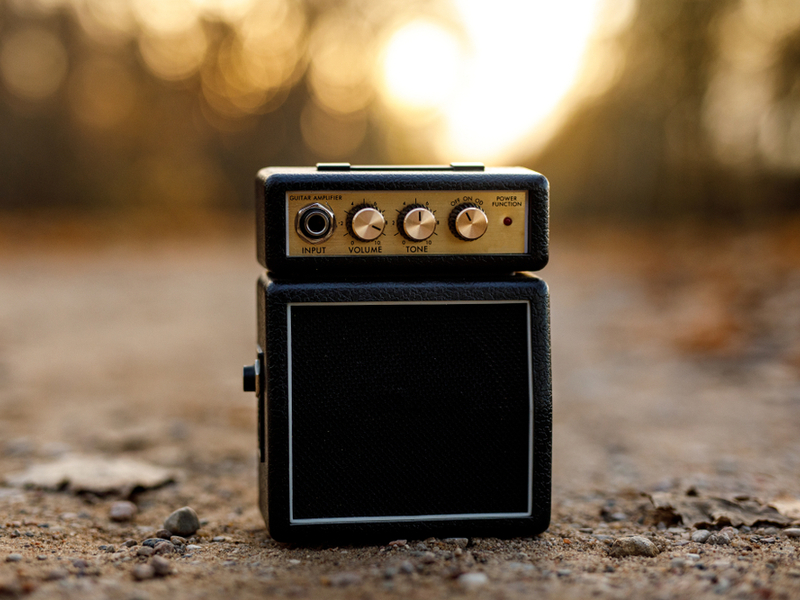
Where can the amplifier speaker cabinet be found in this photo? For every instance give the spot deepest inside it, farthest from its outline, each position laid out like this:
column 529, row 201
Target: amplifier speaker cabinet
column 399, row 406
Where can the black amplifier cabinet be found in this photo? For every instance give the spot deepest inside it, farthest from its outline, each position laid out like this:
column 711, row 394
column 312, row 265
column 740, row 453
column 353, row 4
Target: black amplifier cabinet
column 339, row 220
column 402, row 393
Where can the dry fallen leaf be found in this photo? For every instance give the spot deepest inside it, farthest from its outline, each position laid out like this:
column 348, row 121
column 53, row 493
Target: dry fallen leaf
column 93, row 474
column 700, row 511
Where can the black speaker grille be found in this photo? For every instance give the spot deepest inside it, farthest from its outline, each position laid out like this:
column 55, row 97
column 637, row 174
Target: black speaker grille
column 406, row 409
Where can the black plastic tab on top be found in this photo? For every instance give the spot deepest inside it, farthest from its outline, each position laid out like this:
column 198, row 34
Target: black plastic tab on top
column 461, row 166
column 333, row 166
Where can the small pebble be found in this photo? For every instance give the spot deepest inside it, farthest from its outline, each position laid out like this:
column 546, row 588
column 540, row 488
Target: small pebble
column 604, row 538
column 719, row 538
column 10, row 588
column 41, row 557
column 792, row 532
column 633, row 546
column 193, row 547
column 219, row 538
column 344, row 579
column 677, row 562
column 79, row 563
column 145, row 551
column 14, row 558
column 129, row 543
column 109, row 548
column 164, row 548
column 143, row 571
column 56, row 575
column 428, row 558
column 151, row 542
column 406, row 567
column 390, row 572
column 122, row 511
column 177, row 540
column 183, row 522
column 398, row 543
column 164, row 534
column 460, row 542
column 618, row 516
column 692, row 556
column 161, row 566
column 471, row 581
column 700, row 536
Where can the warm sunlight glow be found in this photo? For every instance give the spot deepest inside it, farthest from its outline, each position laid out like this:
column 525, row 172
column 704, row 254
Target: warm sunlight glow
column 33, row 63
column 518, row 62
column 421, row 64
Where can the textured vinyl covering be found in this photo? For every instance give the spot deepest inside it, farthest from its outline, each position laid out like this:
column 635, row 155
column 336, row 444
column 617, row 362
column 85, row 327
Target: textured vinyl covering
column 447, row 441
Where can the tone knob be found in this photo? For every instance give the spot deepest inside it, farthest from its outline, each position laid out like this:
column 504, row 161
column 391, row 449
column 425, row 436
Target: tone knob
column 416, row 222
column 365, row 223
column 468, row 222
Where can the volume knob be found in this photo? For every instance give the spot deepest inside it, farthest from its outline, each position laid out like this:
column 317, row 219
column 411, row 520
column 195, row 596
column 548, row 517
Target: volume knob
column 416, row 223
column 468, row 222
column 365, row 223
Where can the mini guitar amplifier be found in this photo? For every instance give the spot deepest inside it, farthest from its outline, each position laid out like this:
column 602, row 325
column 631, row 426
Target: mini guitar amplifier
column 399, row 405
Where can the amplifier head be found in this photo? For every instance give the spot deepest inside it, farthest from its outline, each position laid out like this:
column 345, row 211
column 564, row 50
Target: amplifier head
column 403, row 409
column 337, row 220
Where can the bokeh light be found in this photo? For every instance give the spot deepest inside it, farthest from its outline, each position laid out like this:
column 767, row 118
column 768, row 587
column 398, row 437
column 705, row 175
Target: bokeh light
column 332, row 136
column 107, row 22
column 176, row 55
column 102, row 92
column 341, row 59
column 750, row 120
column 166, row 18
column 422, row 63
column 33, row 63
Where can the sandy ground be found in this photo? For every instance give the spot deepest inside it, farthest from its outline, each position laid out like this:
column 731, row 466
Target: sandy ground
column 676, row 360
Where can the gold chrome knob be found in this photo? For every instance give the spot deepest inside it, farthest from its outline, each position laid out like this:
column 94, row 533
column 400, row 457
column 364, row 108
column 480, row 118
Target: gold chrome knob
column 366, row 223
column 468, row 222
column 417, row 223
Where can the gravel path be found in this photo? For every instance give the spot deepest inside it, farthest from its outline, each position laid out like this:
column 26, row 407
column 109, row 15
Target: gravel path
column 676, row 368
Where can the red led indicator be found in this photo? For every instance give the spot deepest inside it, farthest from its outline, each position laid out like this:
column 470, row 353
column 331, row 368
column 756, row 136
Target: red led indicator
column 507, row 221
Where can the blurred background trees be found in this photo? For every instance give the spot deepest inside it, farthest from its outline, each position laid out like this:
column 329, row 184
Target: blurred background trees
column 645, row 108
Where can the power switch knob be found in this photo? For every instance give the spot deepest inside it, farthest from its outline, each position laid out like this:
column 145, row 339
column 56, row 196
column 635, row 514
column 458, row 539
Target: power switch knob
column 416, row 223
column 468, row 222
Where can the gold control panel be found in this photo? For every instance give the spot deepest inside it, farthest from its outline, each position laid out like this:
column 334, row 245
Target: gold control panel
column 344, row 223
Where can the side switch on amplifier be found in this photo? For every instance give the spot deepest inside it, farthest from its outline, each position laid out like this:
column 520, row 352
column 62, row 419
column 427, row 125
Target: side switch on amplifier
column 365, row 223
column 416, row 222
column 468, row 222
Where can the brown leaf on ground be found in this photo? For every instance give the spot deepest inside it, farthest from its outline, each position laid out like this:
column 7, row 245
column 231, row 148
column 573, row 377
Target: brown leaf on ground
column 93, row 474
column 698, row 511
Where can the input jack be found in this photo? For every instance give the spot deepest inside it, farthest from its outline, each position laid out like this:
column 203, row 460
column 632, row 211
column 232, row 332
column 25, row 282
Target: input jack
column 315, row 223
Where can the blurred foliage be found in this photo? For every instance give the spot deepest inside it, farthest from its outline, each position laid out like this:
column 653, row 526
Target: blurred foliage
column 703, row 119
column 173, row 105
column 690, row 106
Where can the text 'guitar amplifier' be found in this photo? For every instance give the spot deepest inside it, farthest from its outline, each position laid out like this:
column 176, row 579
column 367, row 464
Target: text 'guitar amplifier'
column 403, row 367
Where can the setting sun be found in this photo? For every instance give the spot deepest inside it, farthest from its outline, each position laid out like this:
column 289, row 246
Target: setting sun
column 499, row 85
column 421, row 64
